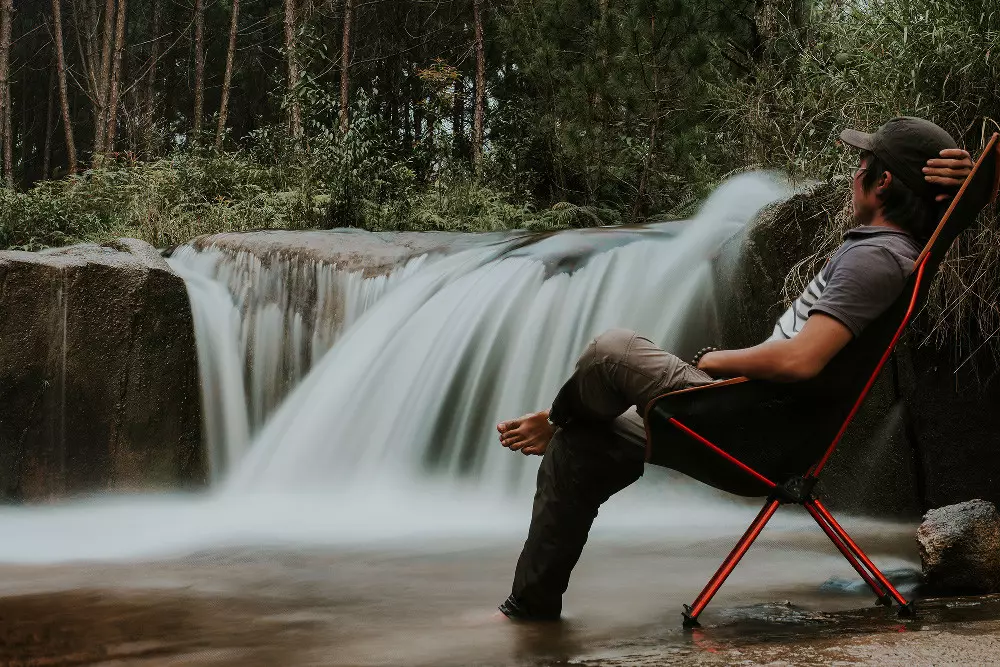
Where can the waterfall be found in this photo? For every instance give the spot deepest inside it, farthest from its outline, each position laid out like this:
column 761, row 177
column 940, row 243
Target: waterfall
column 259, row 324
column 410, row 385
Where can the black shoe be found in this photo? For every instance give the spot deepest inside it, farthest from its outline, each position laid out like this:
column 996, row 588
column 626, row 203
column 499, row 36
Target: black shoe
column 520, row 612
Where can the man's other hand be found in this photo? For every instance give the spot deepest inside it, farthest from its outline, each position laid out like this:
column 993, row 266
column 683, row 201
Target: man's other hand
column 950, row 170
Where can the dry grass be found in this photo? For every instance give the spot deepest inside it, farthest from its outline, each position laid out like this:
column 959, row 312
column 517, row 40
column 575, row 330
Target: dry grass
column 858, row 63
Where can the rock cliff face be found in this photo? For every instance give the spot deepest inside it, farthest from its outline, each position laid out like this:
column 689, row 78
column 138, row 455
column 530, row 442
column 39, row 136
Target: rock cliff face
column 99, row 378
column 925, row 437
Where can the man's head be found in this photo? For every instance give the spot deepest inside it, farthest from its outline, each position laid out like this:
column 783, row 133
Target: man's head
column 891, row 177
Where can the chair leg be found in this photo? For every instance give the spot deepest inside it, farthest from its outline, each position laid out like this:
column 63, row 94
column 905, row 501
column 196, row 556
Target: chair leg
column 691, row 613
column 906, row 608
column 880, row 593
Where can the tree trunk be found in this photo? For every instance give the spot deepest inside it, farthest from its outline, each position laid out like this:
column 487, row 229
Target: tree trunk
column 458, row 113
column 154, row 57
column 50, row 126
column 116, row 74
column 6, row 125
column 220, row 131
column 295, row 109
column 477, row 126
column 416, row 91
column 407, row 111
column 63, row 90
column 345, row 66
column 640, row 196
column 199, row 67
column 103, row 83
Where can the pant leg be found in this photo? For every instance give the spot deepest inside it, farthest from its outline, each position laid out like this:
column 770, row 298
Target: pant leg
column 583, row 466
column 620, row 369
column 597, row 452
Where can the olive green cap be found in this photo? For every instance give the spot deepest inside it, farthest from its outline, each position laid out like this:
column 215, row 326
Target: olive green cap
column 905, row 144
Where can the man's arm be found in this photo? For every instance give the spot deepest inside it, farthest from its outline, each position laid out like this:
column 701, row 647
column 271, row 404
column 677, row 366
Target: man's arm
column 794, row 360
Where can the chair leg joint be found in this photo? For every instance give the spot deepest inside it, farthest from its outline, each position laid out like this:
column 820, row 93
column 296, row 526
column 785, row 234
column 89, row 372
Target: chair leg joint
column 689, row 620
column 795, row 491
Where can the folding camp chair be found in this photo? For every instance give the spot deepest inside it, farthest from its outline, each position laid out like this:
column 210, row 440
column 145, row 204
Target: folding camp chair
column 766, row 439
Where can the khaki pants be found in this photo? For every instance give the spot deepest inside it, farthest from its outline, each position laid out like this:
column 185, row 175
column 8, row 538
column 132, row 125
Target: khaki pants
column 597, row 451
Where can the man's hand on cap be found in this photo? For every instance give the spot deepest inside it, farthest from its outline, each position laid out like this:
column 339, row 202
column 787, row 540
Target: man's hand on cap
column 950, row 170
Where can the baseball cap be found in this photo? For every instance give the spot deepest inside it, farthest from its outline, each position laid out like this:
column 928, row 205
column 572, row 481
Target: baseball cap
column 905, row 144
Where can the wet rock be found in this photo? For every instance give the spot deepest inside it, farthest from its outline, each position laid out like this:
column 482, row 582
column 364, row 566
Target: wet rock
column 760, row 271
column 99, row 380
column 899, row 457
column 960, row 548
column 372, row 253
column 776, row 613
column 905, row 579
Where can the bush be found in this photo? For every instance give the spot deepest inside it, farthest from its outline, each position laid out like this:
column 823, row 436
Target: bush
column 856, row 64
column 333, row 183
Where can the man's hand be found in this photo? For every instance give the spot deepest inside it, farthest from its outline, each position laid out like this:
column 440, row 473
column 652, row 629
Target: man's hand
column 949, row 170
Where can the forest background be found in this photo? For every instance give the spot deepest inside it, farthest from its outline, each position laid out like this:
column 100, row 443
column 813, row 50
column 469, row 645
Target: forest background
column 165, row 119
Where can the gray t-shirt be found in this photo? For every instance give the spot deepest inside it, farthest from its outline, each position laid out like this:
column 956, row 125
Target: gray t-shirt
column 862, row 279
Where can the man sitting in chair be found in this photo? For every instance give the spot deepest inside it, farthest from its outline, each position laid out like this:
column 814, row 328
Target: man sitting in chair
column 593, row 438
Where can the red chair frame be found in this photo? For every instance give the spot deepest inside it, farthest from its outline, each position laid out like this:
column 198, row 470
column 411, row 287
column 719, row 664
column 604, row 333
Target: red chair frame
column 798, row 489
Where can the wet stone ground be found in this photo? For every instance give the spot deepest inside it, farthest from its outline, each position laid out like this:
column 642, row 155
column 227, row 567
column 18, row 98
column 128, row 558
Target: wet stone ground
column 433, row 605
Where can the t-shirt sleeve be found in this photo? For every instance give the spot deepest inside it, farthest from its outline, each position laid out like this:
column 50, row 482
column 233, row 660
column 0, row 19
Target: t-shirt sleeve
column 861, row 284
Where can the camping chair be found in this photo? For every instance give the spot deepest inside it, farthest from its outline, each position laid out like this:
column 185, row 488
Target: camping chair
column 766, row 439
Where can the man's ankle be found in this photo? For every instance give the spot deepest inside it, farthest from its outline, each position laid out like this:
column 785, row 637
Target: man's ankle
column 517, row 610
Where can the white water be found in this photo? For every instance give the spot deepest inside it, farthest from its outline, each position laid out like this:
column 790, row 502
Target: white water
column 416, row 385
column 390, row 436
column 259, row 326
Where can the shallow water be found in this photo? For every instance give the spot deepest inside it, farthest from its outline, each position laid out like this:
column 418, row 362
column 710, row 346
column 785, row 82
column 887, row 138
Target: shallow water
column 422, row 596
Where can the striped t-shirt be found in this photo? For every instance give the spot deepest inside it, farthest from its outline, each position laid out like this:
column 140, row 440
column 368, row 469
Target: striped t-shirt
column 862, row 279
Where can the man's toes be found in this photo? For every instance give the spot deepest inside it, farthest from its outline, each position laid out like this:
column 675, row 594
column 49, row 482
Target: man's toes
column 503, row 427
column 508, row 439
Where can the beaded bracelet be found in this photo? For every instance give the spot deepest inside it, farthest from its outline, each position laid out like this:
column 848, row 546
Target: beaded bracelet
column 701, row 353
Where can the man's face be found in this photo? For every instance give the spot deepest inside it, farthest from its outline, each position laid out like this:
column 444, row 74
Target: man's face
column 866, row 204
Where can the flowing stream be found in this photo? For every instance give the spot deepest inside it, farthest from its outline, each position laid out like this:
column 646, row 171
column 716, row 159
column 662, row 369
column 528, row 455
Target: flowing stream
column 385, row 381
column 347, row 409
column 361, row 510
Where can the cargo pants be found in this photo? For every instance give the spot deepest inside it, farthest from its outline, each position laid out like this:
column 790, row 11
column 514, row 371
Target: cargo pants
column 597, row 450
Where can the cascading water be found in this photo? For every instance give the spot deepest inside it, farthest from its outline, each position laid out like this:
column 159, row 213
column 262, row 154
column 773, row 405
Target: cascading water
column 412, row 389
column 259, row 324
column 388, row 439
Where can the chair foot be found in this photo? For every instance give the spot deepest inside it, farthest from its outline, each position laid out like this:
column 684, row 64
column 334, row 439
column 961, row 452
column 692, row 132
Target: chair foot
column 884, row 601
column 689, row 620
column 907, row 610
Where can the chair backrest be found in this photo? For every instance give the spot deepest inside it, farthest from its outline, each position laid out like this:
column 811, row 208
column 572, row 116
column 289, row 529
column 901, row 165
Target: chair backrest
column 784, row 430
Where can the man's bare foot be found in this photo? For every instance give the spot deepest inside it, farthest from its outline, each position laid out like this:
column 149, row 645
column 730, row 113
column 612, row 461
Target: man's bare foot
column 529, row 434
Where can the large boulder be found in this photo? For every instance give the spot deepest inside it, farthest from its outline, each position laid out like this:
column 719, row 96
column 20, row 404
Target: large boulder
column 761, row 270
column 960, row 548
column 927, row 435
column 99, row 378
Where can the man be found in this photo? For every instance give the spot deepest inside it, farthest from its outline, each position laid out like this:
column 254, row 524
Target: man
column 593, row 438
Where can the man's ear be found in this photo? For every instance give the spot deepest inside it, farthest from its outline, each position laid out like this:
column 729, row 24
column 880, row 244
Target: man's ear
column 884, row 181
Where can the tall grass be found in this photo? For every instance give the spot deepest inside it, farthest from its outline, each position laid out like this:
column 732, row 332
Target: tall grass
column 173, row 200
column 858, row 63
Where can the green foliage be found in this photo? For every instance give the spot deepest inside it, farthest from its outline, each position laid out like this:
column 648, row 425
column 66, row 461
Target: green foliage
column 609, row 96
column 857, row 64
